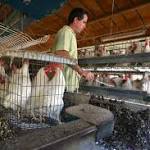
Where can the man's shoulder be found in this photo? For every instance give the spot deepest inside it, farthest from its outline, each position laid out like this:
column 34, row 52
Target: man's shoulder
column 66, row 28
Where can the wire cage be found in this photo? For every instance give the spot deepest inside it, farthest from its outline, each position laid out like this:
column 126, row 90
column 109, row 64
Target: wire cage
column 32, row 88
column 121, row 68
column 113, row 48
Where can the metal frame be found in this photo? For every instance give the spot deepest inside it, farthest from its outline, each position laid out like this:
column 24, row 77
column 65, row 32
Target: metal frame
column 39, row 56
column 131, row 58
column 117, row 70
column 115, row 92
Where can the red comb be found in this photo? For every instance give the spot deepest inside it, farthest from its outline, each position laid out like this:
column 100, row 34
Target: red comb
column 51, row 68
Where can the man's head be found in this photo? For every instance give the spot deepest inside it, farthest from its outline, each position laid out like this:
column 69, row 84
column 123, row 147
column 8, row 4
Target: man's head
column 77, row 19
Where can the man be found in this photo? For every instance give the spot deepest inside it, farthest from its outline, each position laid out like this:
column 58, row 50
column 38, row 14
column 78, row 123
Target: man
column 66, row 45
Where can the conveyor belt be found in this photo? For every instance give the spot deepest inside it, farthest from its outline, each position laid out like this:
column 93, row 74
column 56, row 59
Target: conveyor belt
column 117, row 93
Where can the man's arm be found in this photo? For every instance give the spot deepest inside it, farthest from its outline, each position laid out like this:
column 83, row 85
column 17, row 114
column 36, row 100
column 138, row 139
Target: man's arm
column 86, row 74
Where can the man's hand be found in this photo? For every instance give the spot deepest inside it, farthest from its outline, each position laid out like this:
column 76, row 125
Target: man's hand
column 88, row 75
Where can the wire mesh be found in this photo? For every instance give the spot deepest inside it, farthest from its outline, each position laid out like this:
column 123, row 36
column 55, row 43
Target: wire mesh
column 123, row 65
column 132, row 46
column 32, row 88
column 16, row 40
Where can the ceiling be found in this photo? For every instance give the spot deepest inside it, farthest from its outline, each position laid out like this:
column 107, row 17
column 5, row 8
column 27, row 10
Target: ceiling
column 106, row 17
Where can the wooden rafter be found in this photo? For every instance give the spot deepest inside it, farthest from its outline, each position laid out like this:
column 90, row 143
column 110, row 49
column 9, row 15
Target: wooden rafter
column 120, row 13
column 139, row 15
column 124, row 17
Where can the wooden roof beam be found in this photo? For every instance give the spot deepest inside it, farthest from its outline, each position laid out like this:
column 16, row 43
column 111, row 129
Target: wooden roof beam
column 124, row 17
column 133, row 29
column 87, row 9
column 139, row 15
column 112, row 21
column 119, row 13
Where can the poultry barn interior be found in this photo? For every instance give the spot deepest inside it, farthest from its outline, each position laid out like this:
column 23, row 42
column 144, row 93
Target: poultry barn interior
column 40, row 110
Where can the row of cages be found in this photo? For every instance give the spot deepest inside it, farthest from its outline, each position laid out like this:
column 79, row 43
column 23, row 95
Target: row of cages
column 133, row 46
column 32, row 93
column 35, row 94
column 129, row 81
column 32, row 90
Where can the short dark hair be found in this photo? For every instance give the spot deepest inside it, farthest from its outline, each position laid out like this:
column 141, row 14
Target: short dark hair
column 76, row 12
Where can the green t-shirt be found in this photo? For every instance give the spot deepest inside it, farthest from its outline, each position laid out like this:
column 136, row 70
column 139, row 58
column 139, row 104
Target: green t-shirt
column 66, row 40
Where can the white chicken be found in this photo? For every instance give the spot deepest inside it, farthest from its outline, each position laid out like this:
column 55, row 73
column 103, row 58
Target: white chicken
column 137, row 85
column 134, row 48
column 127, row 83
column 19, row 88
column 146, row 83
column 147, row 46
column 47, row 93
column 3, row 81
column 101, row 51
column 117, row 81
column 87, row 53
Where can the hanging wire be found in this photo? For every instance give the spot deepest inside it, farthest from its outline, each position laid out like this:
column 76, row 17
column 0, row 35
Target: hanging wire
column 22, row 22
column 111, row 22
